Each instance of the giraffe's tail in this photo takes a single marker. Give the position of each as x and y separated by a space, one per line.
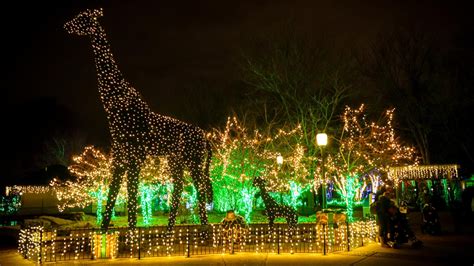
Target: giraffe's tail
207 174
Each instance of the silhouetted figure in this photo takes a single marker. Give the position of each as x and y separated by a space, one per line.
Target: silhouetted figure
400 230
382 204
431 224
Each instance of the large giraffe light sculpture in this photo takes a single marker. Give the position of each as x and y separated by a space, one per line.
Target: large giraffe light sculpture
138 132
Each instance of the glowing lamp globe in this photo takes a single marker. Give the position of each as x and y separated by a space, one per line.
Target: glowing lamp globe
279 160
322 139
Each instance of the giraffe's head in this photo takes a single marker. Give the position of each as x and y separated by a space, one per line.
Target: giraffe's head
258 181
85 23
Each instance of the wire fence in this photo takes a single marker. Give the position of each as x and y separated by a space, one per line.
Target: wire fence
41 245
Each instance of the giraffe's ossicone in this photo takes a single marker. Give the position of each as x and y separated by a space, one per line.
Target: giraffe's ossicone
138 132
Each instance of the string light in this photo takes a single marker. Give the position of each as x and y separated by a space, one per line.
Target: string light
39 245
137 132
19 190
399 173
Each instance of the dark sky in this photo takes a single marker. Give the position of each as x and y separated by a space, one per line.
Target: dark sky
168 50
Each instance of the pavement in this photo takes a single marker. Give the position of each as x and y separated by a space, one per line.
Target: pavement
448 249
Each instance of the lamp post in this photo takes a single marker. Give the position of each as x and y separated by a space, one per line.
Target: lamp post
322 141
280 162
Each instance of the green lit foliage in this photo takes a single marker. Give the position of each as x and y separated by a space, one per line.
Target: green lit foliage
190 197
446 190
147 193
246 202
293 197
295 194
10 204
164 193
101 196
351 186
242 154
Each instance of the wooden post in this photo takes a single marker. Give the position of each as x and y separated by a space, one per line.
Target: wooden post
41 248
139 241
324 237
232 242
188 240
278 239
348 237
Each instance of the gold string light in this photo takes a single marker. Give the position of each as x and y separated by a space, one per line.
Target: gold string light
39 245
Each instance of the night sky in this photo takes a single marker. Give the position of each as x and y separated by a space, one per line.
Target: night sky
181 55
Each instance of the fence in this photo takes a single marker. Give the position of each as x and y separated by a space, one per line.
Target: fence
41 245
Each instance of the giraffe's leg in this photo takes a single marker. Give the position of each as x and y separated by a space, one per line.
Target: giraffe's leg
132 191
206 174
177 174
201 187
271 220
291 220
114 188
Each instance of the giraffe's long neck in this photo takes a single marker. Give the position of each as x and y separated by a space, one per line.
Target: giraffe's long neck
126 111
111 82
265 196
263 191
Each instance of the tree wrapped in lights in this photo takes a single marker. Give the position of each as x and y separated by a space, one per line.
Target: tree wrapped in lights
243 154
92 170
93 176
137 132
363 148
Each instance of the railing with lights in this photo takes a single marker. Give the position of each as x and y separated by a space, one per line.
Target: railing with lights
42 245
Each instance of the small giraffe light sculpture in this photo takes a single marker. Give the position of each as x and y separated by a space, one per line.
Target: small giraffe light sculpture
138 132
273 209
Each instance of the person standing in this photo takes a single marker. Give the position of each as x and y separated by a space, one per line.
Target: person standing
382 205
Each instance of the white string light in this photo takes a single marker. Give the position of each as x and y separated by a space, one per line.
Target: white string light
449 171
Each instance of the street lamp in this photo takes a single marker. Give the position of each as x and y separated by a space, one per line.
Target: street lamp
322 141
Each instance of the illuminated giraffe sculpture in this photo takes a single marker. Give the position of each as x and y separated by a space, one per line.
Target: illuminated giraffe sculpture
138 132
272 208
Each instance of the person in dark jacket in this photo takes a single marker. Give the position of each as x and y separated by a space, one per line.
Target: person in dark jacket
382 206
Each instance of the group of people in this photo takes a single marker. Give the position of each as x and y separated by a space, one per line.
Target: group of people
394 229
